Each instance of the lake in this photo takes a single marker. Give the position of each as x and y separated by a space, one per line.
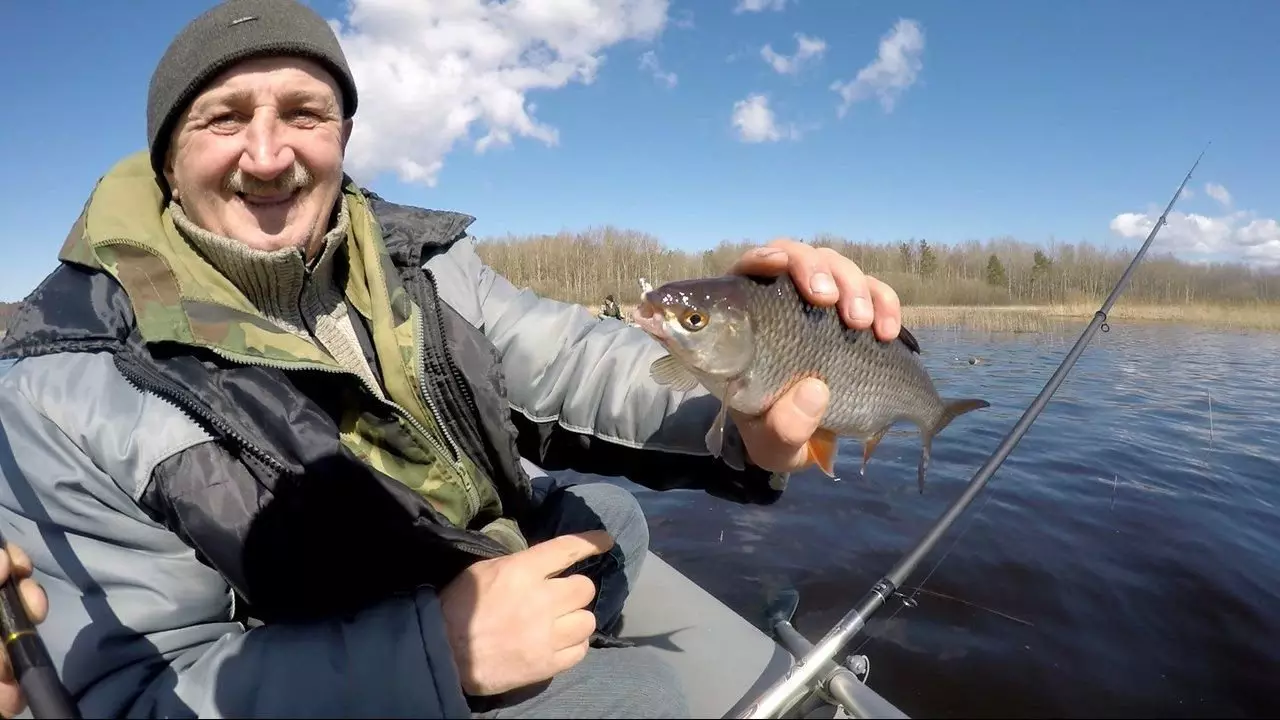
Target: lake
1124 560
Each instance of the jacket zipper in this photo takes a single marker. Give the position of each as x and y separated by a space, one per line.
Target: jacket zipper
442 358
144 380
455 373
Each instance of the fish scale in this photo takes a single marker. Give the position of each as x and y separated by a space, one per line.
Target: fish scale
750 339
887 381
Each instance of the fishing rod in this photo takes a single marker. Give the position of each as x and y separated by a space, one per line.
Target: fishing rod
784 693
46 696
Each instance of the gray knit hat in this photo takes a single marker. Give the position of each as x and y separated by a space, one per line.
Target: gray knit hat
226 34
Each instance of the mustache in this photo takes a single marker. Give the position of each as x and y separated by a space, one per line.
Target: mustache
295 178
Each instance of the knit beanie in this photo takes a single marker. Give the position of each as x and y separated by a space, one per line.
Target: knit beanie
226 34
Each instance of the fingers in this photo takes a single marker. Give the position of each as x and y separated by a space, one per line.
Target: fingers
888 322
776 440
34 600
17 563
557 554
564 659
810 268
825 277
854 304
572 592
12 700
772 259
574 629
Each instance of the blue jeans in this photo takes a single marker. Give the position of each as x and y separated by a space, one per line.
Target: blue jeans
610 682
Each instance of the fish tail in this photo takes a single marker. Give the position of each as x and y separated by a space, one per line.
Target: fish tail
951 409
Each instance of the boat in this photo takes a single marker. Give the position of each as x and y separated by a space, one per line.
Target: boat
726 661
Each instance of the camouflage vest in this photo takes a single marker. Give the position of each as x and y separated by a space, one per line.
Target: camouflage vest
178 297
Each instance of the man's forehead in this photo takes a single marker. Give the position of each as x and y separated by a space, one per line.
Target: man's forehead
286 78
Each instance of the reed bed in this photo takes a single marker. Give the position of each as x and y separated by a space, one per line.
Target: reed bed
1052 317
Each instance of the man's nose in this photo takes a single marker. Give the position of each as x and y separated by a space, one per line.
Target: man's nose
266 154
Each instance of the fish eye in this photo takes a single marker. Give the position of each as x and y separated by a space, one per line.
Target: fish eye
693 320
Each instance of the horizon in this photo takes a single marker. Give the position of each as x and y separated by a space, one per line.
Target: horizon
730 120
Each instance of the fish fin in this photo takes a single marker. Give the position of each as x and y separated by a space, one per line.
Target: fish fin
951 409
926 443
715 435
822 450
667 370
909 340
869 446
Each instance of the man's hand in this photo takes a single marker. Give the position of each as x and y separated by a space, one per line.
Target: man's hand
15 561
512 623
776 440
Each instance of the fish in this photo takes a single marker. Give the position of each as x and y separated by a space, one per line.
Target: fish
748 339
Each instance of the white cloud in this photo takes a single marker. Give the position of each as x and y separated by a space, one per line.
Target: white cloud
894 70
807 48
649 61
755 122
1219 193
759 5
1239 235
432 73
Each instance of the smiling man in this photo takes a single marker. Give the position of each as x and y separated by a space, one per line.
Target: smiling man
265 434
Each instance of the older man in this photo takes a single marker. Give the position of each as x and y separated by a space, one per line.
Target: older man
252 390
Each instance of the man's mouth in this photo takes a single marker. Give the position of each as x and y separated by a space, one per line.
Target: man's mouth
267 201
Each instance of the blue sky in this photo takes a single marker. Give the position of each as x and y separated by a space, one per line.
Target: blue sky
1071 120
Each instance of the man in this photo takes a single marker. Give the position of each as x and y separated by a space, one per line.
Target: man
264 433
610 308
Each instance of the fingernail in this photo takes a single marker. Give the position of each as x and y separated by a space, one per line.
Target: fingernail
767 252
822 284
810 398
861 308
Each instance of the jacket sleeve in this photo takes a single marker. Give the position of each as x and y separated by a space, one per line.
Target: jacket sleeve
137 625
582 397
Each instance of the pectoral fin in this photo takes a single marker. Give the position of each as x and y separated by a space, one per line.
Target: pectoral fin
715 435
869 447
822 451
668 371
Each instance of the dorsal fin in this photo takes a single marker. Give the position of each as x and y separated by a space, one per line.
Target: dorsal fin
909 340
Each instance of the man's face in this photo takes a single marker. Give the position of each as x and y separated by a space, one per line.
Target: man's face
258 156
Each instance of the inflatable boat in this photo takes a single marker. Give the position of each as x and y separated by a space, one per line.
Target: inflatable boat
726 662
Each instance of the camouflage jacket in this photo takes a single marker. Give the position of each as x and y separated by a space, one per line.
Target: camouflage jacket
167 461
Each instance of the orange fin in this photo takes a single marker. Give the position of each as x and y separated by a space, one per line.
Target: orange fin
822 451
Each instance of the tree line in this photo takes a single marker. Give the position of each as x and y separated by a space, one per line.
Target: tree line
585 266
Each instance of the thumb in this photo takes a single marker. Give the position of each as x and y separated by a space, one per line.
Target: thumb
776 441
555 555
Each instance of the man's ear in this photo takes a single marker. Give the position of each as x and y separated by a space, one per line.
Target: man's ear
169 176
346 132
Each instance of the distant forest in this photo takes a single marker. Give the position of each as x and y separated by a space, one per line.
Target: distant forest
585 266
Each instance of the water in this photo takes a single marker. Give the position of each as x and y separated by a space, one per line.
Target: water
1126 558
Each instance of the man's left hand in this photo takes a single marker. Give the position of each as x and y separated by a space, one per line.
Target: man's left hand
776 440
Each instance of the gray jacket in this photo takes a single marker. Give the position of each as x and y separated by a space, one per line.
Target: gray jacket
143 591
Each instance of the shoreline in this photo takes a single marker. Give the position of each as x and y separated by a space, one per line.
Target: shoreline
1045 318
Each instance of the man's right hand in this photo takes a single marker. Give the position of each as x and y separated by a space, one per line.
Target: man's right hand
512 623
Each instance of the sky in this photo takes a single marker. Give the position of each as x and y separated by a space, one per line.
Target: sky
704 120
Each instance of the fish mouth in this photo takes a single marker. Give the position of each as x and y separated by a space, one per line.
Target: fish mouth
648 316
